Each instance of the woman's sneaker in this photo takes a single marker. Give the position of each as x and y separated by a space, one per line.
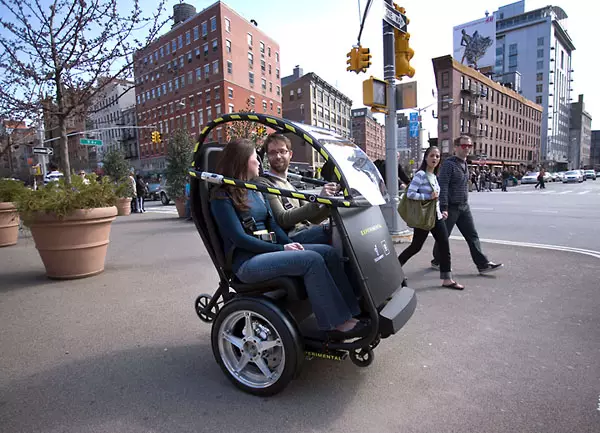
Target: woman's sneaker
491 267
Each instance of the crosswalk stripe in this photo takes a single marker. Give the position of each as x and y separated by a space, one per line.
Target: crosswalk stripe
584 192
565 192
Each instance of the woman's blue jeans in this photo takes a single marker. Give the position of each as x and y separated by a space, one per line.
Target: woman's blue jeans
329 291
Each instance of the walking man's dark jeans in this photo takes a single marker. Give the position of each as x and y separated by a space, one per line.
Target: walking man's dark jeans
460 216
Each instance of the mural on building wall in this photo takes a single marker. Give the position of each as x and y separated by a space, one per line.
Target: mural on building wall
475 43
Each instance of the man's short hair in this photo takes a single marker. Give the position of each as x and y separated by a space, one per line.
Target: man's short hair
462 137
277 137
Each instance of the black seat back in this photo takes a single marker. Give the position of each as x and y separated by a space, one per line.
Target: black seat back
206 160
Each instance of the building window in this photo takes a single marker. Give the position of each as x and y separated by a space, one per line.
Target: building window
277 57
251 78
512 50
250 39
445 103
229 67
278 91
180 41
227 25
188 38
173 45
189 56
264 105
512 62
213 24
250 60
445 125
562 59
230 92
196 33
538 100
445 79
206 71
292 95
262 65
539 76
540 64
264 85
540 41
278 109
190 77
204 29
216 67
262 47
231 108
205 49
197 52
252 101
228 45
215 45
277 73
540 54
539 88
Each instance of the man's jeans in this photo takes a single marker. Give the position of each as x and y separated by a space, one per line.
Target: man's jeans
317 234
329 291
460 215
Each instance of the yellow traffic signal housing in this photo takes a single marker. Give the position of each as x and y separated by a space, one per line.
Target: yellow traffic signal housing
155 137
364 59
375 94
352 61
404 53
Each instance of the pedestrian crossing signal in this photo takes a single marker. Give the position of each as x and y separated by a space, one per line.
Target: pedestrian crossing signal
155 137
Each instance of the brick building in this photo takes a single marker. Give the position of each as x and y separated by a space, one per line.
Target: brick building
210 62
368 134
505 127
16 142
309 99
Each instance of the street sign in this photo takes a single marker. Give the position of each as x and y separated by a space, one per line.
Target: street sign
414 117
413 125
394 18
88 142
43 150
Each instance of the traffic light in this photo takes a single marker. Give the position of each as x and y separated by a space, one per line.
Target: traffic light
375 94
403 55
155 137
352 61
364 59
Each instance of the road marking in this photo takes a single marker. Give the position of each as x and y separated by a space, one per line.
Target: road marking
583 192
565 192
548 192
543 211
165 211
583 251
482 208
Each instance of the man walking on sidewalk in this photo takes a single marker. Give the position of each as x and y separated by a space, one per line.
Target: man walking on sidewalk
454 196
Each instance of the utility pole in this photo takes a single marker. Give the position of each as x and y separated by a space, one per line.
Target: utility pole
393 220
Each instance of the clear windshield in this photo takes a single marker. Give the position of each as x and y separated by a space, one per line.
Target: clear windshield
363 177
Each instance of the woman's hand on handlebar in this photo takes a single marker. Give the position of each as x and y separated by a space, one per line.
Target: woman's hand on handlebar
294 246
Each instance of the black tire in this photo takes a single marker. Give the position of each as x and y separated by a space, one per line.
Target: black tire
288 351
164 199
362 357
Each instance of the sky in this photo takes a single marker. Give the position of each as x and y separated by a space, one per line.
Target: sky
317 34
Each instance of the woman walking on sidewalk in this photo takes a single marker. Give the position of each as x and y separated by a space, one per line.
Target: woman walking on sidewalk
424 186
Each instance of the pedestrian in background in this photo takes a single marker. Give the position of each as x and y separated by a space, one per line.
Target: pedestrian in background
424 186
134 200
141 190
454 199
541 182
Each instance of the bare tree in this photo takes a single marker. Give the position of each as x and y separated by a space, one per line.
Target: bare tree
247 129
59 57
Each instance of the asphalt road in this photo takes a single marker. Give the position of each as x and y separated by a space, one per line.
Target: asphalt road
124 351
562 214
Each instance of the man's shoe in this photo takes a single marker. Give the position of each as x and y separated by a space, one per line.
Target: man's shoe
491 267
435 265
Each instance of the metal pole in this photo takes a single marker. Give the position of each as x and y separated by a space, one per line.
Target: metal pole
40 131
394 223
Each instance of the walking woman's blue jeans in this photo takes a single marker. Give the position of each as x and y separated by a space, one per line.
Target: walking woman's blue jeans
329 291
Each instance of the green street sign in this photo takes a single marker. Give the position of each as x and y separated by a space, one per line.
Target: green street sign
88 142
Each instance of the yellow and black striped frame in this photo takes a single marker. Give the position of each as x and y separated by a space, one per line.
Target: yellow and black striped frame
281 125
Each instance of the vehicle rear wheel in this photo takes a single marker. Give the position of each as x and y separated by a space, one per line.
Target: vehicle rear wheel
164 199
256 346
362 357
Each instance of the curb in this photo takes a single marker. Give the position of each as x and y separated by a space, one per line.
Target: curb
404 237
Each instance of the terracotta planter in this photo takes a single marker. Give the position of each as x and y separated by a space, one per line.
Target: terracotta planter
124 206
74 246
9 224
180 206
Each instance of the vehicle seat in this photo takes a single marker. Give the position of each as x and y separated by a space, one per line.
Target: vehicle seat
292 288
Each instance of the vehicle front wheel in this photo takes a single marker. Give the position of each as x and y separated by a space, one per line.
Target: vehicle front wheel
256 346
164 199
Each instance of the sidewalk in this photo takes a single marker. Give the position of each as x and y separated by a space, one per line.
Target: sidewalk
124 351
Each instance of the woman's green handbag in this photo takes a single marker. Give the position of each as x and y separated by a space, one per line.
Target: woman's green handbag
418 214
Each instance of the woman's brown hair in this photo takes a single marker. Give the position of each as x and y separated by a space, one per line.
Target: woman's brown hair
234 164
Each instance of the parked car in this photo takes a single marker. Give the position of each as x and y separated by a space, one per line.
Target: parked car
590 174
573 176
560 176
530 177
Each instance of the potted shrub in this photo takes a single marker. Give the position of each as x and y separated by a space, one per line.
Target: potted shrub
70 224
10 191
179 159
117 168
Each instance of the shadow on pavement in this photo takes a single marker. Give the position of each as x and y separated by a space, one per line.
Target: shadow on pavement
172 390
22 280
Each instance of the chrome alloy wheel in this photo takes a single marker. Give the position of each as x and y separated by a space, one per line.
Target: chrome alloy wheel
251 349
